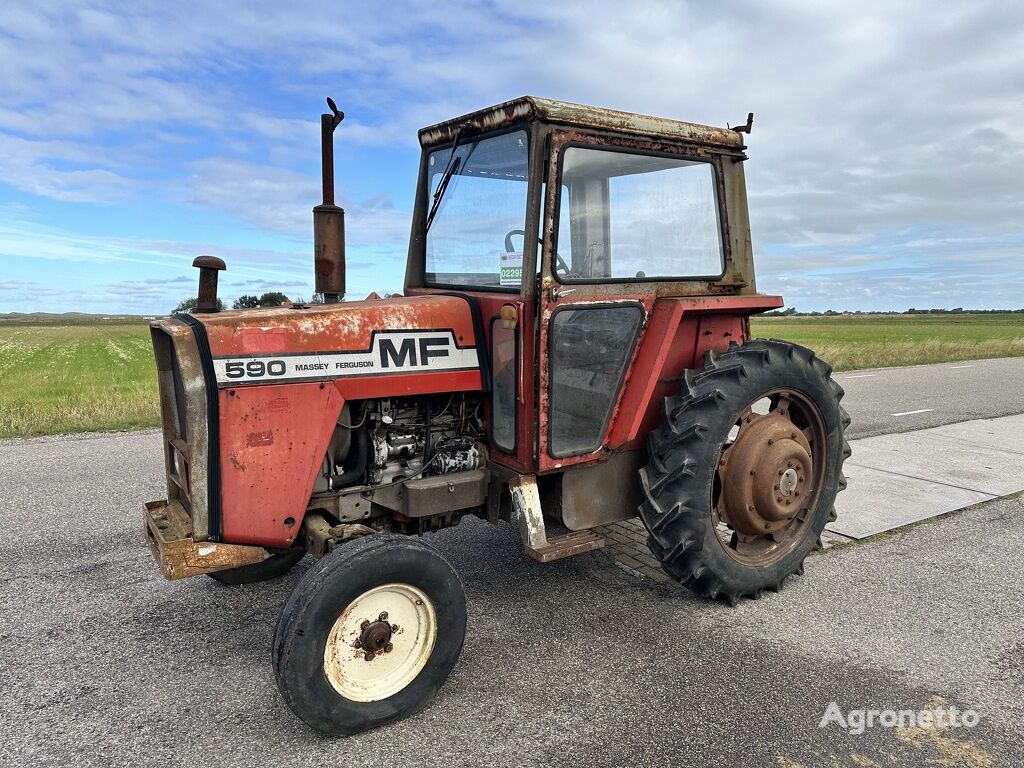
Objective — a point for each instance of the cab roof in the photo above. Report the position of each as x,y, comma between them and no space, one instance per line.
531,108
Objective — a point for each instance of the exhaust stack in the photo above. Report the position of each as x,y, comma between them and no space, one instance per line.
329,219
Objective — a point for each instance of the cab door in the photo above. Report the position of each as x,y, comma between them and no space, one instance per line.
627,221
589,331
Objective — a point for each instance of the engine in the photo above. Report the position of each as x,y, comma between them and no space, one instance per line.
384,442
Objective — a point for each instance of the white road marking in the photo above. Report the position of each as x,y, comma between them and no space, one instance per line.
911,413
960,366
860,376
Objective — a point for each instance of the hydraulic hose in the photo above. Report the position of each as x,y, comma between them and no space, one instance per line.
360,449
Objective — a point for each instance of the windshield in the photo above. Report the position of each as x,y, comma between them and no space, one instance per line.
626,216
476,237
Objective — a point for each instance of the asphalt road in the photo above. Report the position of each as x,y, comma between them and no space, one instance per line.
883,400
571,663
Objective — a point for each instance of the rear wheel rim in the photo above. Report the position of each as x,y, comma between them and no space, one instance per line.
769,476
380,642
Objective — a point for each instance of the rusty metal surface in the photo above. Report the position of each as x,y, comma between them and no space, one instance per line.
755,496
770,477
328,218
208,267
168,532
272,442
329,252
528,108
567,545
319,537
195,444
444,493
336,327
601,493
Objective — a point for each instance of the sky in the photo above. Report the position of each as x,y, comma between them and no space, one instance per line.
886,162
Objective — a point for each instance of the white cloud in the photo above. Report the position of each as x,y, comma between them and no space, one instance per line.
880,128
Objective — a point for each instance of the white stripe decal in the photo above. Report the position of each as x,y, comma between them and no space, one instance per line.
911,413
392,352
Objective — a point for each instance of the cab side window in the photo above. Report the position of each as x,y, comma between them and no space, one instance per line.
627,216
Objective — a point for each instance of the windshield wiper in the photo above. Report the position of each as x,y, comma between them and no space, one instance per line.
453,166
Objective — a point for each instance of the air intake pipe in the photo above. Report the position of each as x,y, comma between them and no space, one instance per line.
329,219
208,267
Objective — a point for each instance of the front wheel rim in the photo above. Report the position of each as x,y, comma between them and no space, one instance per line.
380,642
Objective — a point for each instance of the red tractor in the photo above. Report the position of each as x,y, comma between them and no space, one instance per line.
572,349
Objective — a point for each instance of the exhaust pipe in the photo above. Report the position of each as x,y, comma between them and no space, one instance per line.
329,219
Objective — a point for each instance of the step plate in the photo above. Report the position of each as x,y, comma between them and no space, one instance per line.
567,545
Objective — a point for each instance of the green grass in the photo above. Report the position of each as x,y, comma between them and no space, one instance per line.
78,377
77,374
879,341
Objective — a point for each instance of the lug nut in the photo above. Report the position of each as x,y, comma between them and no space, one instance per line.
356,643
368,656
388,648
383,616
394,627
365,624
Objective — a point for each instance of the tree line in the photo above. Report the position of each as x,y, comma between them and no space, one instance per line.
792,312
248,301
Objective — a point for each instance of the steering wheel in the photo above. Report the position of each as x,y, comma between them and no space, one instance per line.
560,265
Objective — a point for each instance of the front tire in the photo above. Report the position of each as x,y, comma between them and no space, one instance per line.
744,469
369,634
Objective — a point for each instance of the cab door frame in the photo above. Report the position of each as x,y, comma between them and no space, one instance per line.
554,297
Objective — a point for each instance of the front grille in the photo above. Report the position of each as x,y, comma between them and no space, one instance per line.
175,425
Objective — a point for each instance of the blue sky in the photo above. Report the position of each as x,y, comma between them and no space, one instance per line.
886,164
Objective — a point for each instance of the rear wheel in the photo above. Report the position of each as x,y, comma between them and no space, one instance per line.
370,634
278,563
744,470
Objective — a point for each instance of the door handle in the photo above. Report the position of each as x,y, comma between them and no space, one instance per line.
556,294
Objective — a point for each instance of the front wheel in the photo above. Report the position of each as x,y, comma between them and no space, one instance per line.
744,470
370,634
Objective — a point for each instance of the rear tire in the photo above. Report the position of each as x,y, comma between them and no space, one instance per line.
735,499
341,664
277,564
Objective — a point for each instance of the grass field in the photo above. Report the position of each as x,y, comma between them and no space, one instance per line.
75,378
84,375
881,341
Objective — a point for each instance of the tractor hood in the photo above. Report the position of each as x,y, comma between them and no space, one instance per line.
381,337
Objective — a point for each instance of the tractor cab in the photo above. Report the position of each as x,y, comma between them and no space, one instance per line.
575,230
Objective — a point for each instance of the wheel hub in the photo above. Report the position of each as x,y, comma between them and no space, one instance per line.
766,475
375,637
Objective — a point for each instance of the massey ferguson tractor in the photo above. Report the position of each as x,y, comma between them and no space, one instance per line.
572,349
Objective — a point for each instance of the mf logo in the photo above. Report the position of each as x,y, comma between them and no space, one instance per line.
412,352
